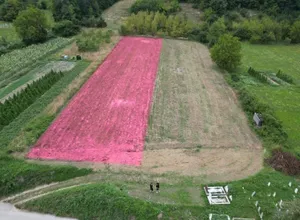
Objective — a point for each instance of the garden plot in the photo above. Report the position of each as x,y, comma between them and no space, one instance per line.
194,104
196,126
14,64
107,120
21,83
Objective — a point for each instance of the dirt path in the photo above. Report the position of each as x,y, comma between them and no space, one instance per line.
116,14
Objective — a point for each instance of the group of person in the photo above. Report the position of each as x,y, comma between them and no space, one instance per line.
156,185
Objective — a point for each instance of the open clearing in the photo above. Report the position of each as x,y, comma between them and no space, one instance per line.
193,103
196,126
116,14
285,100
107,120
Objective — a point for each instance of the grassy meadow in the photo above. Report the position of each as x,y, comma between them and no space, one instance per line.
115,199
284,99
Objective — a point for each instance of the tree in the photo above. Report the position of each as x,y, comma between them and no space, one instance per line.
217,29
227,52
9,10
66,28
31,25
295,32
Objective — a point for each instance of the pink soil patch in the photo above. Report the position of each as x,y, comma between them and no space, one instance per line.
107,119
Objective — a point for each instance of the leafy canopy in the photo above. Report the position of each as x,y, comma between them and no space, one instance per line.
31,25
227,52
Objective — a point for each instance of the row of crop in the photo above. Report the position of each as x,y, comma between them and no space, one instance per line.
16,104
281,78
9,132
18,175
281,75
16,60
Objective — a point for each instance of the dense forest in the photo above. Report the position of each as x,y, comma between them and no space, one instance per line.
74,10
271,7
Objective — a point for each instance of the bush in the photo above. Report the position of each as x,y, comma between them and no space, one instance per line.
284,77
91,40
258,75
98,22
217,29
31,25
148,23
163,6
227,52
263,30
66,29
272,128
197,34
295,32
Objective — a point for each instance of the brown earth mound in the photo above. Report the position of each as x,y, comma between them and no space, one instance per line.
285,162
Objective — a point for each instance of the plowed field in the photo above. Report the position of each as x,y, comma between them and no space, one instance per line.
107,120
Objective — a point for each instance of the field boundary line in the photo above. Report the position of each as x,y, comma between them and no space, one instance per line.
47,193
28,191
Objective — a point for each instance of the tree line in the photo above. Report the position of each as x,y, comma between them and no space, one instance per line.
78,11
271,7
16,104
159,24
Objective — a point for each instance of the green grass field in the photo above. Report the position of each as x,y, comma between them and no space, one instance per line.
107,201
284,99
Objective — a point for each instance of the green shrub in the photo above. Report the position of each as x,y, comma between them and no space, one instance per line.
98,22
91,40
272,129
66,28
197,34
158,24
227,52
284,77
258,75
295,32
163,6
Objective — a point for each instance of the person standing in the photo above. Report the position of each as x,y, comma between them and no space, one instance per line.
151,187
157,187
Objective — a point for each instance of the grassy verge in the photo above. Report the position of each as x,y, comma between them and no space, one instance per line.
17,175
106,201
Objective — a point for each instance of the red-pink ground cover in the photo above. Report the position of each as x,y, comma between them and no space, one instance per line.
107,119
